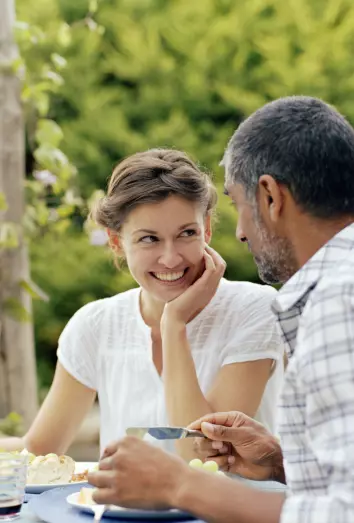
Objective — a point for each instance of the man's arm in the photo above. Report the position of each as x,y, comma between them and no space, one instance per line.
325,374
222,500
136,474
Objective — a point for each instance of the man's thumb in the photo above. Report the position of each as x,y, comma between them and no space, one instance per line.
218,432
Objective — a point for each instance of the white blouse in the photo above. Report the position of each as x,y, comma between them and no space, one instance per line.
107,346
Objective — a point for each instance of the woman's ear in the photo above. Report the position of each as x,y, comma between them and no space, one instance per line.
207,229
114,242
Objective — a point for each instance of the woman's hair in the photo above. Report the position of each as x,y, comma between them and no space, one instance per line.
150,177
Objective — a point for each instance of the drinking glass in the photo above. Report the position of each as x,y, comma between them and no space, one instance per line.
13,473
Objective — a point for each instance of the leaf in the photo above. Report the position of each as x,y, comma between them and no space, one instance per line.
64,35
58,61
42,103
16,310
51,158
33,290
55,78
48,132
93,5
3,202
9,237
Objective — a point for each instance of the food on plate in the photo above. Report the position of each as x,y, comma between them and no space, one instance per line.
211,466
85,496
50,469
196,463
208,466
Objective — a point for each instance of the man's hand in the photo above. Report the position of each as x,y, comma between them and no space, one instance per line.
239,445
133,473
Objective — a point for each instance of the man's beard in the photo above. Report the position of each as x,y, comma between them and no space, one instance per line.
276,260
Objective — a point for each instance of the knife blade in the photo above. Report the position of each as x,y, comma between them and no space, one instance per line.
164,432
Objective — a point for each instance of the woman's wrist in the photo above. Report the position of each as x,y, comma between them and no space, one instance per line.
171,325
171,319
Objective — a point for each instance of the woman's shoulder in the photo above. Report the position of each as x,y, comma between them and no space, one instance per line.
244,293
94,312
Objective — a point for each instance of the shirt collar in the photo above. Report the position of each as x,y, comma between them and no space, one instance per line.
324,260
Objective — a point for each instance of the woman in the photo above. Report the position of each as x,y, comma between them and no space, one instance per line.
185,343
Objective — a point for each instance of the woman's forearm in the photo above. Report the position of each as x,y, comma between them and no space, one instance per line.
11,443
185,401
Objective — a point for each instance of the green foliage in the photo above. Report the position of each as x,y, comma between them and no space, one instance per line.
73,273
12,425
126,75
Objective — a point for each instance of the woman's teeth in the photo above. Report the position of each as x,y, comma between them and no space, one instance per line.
171,276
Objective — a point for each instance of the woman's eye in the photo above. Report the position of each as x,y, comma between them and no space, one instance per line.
188,232
148,239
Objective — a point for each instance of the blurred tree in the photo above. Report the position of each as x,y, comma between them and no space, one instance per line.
45,201
17,364
181,74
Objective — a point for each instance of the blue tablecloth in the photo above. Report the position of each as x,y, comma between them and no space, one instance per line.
58,510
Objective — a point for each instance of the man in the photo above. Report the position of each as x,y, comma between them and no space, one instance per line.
290,173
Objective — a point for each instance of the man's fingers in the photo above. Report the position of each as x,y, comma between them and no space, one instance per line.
110,449
204,448
104,496
218,418
223,462
219,432
106,463
101,479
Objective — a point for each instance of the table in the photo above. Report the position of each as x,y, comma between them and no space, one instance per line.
27,515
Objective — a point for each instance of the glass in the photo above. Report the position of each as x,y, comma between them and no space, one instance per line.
13,473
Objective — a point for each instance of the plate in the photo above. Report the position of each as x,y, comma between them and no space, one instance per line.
116,512
79,467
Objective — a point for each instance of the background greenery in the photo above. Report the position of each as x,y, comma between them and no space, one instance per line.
147,73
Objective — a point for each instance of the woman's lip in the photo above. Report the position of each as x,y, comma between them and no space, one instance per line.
171,282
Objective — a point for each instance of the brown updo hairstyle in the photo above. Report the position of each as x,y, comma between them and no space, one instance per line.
150,177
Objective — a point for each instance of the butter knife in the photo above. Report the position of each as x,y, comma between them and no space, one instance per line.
164,432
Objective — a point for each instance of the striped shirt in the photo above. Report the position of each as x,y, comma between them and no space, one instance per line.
315,309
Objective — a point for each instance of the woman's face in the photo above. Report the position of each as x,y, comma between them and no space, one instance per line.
163,244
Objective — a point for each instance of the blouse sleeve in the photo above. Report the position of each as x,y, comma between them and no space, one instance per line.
77,348
256,335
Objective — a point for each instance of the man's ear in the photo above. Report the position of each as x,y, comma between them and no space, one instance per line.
207,229
114,242
270,197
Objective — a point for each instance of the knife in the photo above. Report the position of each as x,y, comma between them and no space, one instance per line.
164,432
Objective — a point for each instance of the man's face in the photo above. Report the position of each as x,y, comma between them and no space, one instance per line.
272,253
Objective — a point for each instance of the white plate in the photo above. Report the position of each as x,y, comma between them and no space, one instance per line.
79,467
128,513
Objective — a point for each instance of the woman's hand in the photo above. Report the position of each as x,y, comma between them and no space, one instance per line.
182,309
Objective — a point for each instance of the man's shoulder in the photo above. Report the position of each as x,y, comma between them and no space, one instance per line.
331,301
336,283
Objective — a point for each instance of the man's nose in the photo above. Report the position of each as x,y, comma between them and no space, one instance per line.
240,235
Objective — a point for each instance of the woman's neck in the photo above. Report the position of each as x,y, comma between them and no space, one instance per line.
151,310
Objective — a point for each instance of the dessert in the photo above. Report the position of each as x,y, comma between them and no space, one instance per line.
50,469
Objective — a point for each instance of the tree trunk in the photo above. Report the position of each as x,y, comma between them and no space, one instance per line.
18,386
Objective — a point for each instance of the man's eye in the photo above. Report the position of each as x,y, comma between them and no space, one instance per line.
148,239
188,232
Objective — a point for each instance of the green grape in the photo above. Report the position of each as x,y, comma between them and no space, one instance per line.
31,457
211,466
220,473
196,464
